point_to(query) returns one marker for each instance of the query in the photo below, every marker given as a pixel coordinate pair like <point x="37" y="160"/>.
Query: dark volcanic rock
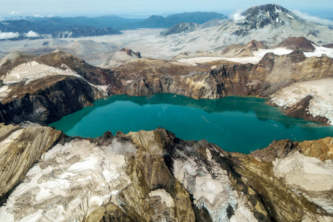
<point x="278" y="149"/>
<point x="131" y="53"/>
<point x="298" y="43"/>
<point x="48" y="104"/>
<point x="300" y="110"/>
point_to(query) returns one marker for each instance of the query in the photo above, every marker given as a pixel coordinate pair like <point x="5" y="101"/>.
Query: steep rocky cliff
<point x="57" y="97"/>
<point x="43" y="89"/>
<point x="221" y="78"/>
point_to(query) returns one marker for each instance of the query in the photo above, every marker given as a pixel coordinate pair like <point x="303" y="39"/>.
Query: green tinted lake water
<point x="234" y="123"/>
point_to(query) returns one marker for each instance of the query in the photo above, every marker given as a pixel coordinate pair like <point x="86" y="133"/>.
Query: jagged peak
<point x="260" y="16"/>
<point x="273" y="8"/>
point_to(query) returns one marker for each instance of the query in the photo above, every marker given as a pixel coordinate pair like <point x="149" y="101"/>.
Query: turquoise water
<point x="235" y="124"/>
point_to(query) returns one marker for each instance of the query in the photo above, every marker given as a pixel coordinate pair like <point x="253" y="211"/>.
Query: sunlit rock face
<point x="20" y="148"/>
<point x="69" y="181"/>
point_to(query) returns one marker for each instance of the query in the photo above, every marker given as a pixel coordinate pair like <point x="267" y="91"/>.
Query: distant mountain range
<point x="269" y="23"/>
<point x="62" y="27"/>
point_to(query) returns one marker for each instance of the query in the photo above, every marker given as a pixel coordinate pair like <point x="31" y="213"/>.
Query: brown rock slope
<point x="49" y="97"/>
<point x="243" y="50"/>
<point x="298" y="43"/>
<point x="272" y="73"/>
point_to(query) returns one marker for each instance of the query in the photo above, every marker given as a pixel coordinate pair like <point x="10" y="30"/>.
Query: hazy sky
<point x="100" y="7"/>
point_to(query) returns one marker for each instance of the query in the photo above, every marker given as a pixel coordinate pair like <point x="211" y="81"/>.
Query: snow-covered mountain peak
<point x="270" y="14"/>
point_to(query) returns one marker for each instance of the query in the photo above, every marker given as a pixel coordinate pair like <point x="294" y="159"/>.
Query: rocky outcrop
<point x="310" y="100"/>
<point x="45" y="103"/>
<point x="121" y="57"/>
<point x="243" y="50"/>
<point x="298" y="43"/>
<point x="219" y="79"/>
<point x="272" y="73"/>
<point x="154" y="176"/>
<point x="301" y="110"/>
<point x="21" y="147"/>
<point x="296" y="167"/>
<point x="131" y="53"/>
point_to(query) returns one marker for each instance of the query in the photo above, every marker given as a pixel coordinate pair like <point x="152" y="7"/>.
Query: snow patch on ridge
<point x="257" y="56"/>
<point x="276" y="51"/>
<point x="33" y="70"/>
<point x="215" y="193"/>
<point x="307" y="174"/>
<point x="320" y="51"/>
<point x="69" y="182"/>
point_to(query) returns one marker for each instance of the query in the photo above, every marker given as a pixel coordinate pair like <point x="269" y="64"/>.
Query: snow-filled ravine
<point x="257" y="56"/>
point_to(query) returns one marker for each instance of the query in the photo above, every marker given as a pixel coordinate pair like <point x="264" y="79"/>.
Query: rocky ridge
<point x="298" y="43"/>
<point x="39" y="88"/>
<point x="154" y="176"/>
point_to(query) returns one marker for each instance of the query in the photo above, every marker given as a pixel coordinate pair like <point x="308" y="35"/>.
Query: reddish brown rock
<point x="298" y="43"/>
